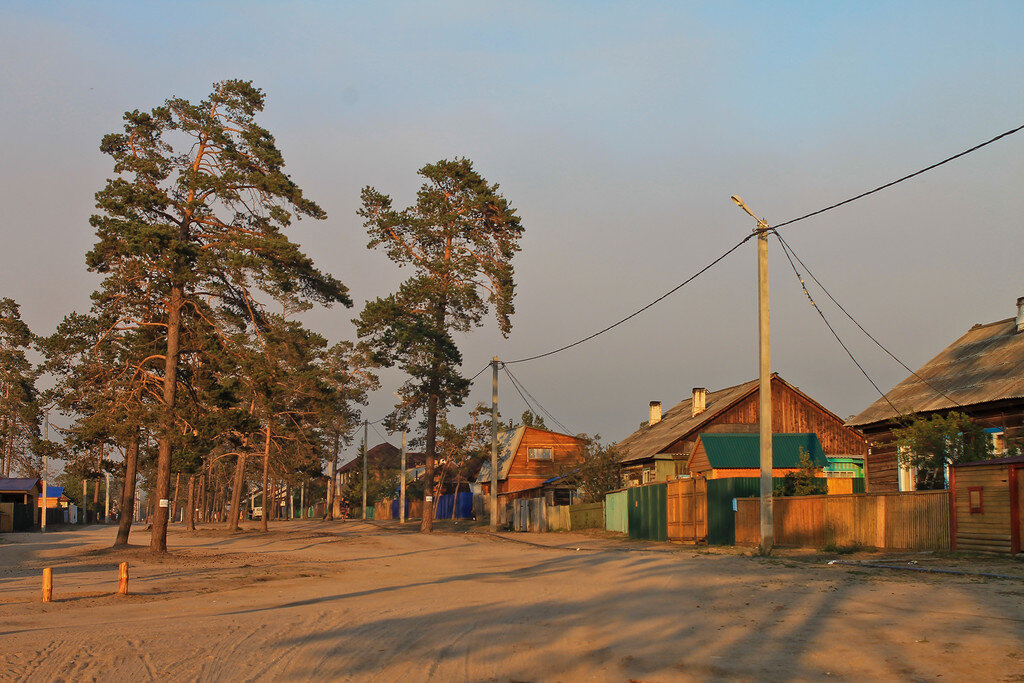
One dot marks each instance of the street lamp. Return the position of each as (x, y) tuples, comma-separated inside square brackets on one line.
[(765, 392)]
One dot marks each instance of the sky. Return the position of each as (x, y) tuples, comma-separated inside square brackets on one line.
[(618, 131)]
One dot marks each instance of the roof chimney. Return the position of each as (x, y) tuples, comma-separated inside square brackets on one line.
[(700, 397), (655, 417), (1020, 314)]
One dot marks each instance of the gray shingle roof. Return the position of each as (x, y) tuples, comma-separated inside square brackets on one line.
[(985, 364)]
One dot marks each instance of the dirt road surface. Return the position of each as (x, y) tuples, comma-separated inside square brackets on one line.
[(352, 601)]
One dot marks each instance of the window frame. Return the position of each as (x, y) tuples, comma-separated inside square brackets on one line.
[(980, 508), (550, 453)]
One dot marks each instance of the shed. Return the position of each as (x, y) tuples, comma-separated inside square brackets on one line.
[(19, 500), (987, 506), (721, 456)]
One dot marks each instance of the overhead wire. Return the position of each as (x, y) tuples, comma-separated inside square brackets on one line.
[(900, 180), (640, 310), (787, 247), (516, 380), (831, 329)]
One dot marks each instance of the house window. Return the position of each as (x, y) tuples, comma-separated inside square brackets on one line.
[(974, 500), (539, 454), (998, 438)]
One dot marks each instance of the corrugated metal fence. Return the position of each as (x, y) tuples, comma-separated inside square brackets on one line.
[(914, 520), (616, 509)]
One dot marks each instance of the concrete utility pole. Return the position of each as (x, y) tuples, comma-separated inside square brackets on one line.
[(494, 446), (366, 428), (46, 422), (106, 499), (401, 485), (765, 387)]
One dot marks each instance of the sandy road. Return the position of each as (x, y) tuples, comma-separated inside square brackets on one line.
[(351, 601)]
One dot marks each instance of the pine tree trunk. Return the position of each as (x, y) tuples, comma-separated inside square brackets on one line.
[(127, 505), (332, 493), (174, 500), (158, 542), (266, 483), (236, 494), (190, 513), (427, 523)]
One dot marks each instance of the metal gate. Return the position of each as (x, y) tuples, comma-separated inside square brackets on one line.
[(688, 510)]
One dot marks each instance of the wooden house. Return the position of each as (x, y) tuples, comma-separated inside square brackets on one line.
[(661, 449), (528, 458), (981, 374), (987, 505), (381, 457), (18, 499), (726, 456)]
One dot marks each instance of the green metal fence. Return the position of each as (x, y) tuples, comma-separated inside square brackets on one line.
[(648, 512), (616, 508)]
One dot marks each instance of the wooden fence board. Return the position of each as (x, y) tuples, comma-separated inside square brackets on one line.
[(917, 520)]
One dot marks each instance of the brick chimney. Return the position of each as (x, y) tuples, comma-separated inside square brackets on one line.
[(700, 397), (655, 417), (1020, 314)]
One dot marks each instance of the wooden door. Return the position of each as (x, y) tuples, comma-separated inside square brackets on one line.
[(687, 510)]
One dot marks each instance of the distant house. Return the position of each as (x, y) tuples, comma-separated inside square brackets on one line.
[(528, 458), (981, 374), (383, 456), (18, 503), (724, 456), (57, 505), (662, 449)]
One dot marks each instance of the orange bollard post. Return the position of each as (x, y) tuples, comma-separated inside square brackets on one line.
[(122, 579), (48, 584)]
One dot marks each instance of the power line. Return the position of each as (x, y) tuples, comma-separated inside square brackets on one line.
[(641, 310), (832, 330), (473, 378), (900, 180), (378, 433), (786, 246), (544, 410)]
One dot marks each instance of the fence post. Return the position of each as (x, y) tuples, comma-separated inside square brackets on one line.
[(880, 522)]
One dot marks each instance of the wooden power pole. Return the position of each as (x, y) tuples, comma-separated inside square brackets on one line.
[(765, 387)]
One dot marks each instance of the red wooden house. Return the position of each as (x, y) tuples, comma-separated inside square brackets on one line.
[(527, 458)]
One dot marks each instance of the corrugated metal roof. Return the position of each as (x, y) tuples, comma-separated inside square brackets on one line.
[(679, 421), (728, 451), (986, 364), (18, 485), (1015, 460)]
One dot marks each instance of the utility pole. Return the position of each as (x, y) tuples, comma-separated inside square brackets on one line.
[(494, 445), (366, 428), (765, 387), (106, 499), (302, 500), (401, 484), (46, 422)]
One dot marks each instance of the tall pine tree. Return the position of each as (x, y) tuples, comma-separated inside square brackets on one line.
[(459, 239), (195, 214)]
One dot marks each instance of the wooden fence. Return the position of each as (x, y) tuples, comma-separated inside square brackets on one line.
[(915, 520), (573, 517)]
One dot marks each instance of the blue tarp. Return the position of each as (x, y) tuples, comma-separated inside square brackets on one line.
[(462, 507)]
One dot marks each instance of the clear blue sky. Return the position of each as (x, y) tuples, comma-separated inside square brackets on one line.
[(619, 131)]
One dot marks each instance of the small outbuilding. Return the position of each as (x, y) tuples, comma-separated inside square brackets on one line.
[(987, 506), (19, 509)]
